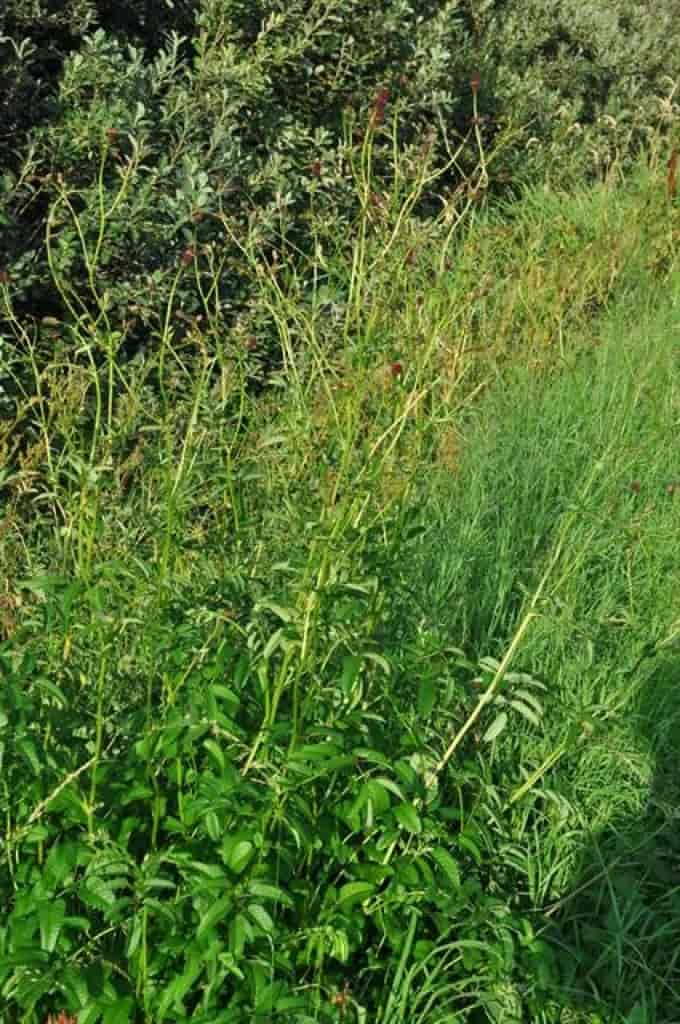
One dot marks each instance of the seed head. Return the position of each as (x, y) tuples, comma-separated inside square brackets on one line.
[(379, 104)]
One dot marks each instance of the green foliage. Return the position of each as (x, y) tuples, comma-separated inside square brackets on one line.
[(339, 589), (589, 81), (150, 173), (594, 825), (250, 839), (37, 37)]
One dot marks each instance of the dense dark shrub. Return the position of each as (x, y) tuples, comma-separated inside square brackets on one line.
[(169, 146)]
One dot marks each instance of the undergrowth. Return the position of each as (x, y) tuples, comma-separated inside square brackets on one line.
[(351, 698)]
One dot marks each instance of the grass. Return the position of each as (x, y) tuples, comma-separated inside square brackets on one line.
[(593, 447), (355, 698)]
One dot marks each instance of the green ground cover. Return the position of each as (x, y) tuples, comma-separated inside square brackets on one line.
[(340, 640), (364, 709)]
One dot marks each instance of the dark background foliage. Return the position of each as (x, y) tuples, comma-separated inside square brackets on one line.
[(286, 72)]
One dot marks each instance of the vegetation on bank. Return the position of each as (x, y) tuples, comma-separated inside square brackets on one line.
[(339, 622)]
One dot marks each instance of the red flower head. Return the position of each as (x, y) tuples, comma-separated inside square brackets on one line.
[(396, 369), (379, 104)]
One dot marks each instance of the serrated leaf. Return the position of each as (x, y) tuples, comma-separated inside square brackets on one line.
[(239, 934), (448, 865), (373, 756), (355, 892), (408, 818), (351, 667), (315, 752), (390, 785), (426, 696), (118, 1012), (496, 728), (529, 698), (216, 753), (285, 614), (51, 917), (489, 664), (261, 918), (217, 912), (379, 660), (525, 711), (471, 846), (267, 891)]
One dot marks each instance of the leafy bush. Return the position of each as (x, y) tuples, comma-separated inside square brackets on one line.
[(259, 830), (158, 169)]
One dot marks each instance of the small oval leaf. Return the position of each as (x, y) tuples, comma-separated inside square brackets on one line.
[(240, 855)]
